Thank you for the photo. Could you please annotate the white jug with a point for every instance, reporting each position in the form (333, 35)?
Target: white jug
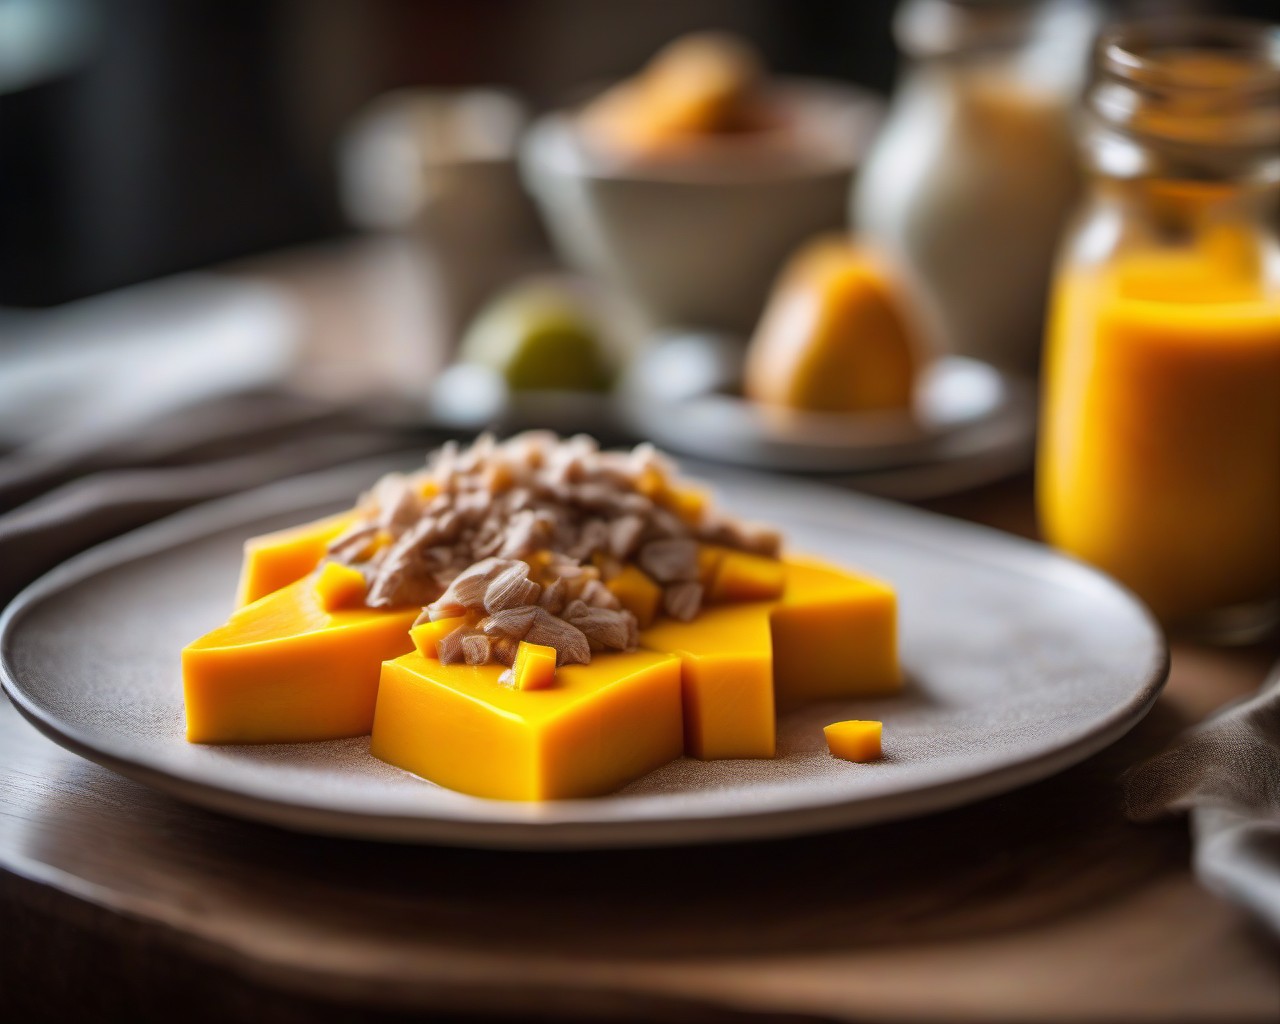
(975, 171)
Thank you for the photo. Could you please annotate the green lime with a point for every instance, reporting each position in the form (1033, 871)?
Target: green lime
(540, 335)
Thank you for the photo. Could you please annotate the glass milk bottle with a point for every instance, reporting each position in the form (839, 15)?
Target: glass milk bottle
(1160, 443)
(974, 174)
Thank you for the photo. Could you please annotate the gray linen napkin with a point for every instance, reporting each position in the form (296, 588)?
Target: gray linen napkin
(52, 508)
(1225, 775)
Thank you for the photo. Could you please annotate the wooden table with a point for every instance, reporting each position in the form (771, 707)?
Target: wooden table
(1041, 905)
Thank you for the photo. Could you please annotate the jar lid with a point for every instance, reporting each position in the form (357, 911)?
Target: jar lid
(1193, 81)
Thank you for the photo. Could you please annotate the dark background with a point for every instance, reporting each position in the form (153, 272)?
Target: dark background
(144, 137)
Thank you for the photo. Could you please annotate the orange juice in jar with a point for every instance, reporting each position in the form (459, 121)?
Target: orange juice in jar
(1159, 455)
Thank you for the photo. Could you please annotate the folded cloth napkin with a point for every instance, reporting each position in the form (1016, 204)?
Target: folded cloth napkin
(51, 508)
(1225, 775)
(220, 427)
(122, 408)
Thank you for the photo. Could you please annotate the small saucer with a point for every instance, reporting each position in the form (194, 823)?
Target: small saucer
(678, 394)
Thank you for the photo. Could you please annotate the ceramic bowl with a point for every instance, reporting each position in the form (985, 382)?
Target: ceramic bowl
(697, 240)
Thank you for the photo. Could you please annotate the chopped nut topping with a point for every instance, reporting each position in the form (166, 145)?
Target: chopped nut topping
(670, 561)
(624, 536)
(519, 538)
(353, 542)
(503, 651)
(682, 600)
(510, 623)
(572, 647)
(475, 648)
(606, 629)
(511, 588)
(450, 649)
(554, 595)
(597, 595)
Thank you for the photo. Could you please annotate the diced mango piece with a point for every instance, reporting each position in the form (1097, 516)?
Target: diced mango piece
(339, 586)
(831, 635)
(535, 667)
(853, 740)
(709, 556)
(689, 503)
(741, 576)
(638, 594)
(601, 726)
(286, 670)
(834, 635)
(727, 675)
(836, 335)
(426, 636)
(651, 482)
(275, 560)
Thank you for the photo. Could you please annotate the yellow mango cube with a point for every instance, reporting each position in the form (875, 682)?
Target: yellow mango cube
(637, 593)
(601, 726)
(535, 667)
(835, 635)
(275, 560)
(741, 576)
(854, 740)
(727, 675)
(832, 634)
(339, 586)
(689, 503)
(286, 670)
(426, 636)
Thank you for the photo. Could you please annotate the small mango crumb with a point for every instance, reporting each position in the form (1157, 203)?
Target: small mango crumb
(339, 586)
(426, 636)
(534, 667)
(637, 594)
(689, 503)
(739, 576)
(854, 740)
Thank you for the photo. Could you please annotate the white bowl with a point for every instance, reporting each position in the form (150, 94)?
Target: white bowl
(697, 240)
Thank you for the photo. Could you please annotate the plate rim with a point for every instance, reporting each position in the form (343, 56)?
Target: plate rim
(315, 489)
(1009, 427)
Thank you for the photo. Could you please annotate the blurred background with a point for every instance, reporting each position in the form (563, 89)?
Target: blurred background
(222, 222)
(242, 240)
(142, 138)
(139, 138)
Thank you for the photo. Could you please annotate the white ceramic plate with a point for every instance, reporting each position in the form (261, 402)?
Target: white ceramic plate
(1021, 663)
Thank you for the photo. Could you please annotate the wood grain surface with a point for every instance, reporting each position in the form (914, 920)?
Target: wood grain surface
(1042, 905)
(117, 903)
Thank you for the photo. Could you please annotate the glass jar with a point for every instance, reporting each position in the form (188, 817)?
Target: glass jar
(1159, 455)
(974, 174)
